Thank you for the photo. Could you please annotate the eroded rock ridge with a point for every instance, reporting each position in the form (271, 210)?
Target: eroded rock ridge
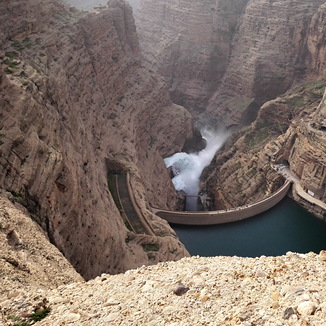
(77, 106)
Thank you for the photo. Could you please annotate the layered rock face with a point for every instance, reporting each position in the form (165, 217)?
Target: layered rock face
(27, 258)
(76, 104)
(304, 148)
(271, 45)
(189, 43)
(243, 53)
(242, 173)
(316, 44)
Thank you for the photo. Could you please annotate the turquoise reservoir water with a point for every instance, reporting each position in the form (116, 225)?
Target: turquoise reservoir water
(285, 227)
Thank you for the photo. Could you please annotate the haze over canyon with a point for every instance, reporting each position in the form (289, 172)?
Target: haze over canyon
(92, 99)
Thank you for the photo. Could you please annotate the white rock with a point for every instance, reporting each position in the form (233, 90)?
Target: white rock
(111, 302)
(13, 294)
(306, 308)
(70, 317)
(111, 317)
(57, 300)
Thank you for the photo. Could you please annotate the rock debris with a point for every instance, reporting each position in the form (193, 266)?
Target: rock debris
(285, 290)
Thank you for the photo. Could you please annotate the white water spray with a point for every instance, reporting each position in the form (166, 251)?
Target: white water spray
(187, 168)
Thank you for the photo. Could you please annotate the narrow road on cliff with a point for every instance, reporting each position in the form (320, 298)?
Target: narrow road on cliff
(287, 174)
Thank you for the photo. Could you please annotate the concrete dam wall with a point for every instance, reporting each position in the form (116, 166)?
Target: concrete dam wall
(224, 216)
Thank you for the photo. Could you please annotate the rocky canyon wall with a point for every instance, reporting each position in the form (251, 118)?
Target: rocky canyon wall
(230, 57)
(285, 131)
(228, 62)
(189, 43)
(76, 104)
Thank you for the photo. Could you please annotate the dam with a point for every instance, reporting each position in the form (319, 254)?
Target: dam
(224, 216)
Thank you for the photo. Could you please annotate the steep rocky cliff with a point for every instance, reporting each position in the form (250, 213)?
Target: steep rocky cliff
(271, 44)
(27, 259)
(229, 57)
(189, 43)
(304, 148)
(77, 105)
(316, 44)
(285, 131)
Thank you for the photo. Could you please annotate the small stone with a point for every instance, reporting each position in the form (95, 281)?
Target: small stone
(275, 296)
(147, 286)
(288, 312)
(26, 314)
(180, 290)
(71, 317)
(306, 308)
(13, 294)
(13, 238)
(322, 255)
(204, 298)
(260, 273)
(111, 302)
(111, 317)
(196, 294)
(57, 300)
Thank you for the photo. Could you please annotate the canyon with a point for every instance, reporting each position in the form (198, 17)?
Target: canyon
(89, 98)
(230, 63)
(76, 104)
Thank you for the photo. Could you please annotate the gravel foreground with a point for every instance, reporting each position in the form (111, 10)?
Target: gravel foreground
(285, 290)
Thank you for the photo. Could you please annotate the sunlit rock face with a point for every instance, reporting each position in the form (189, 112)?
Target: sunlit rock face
(285, 131)
(75, 103)
(229, 57)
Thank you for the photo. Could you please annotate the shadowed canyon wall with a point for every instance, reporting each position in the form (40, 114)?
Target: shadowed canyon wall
(228, 62)
(230, 57)
(76, 104)
(189, 43)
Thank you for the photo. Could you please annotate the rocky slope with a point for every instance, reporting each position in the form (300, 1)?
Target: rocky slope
(76, 104)
(304, 148)
(286, 290)
(232, 55)
(27, 259)
(242, 173)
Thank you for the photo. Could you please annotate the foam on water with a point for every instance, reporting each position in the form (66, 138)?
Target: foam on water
(187, 168)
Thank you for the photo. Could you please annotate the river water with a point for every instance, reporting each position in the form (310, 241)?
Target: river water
(285, 227)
